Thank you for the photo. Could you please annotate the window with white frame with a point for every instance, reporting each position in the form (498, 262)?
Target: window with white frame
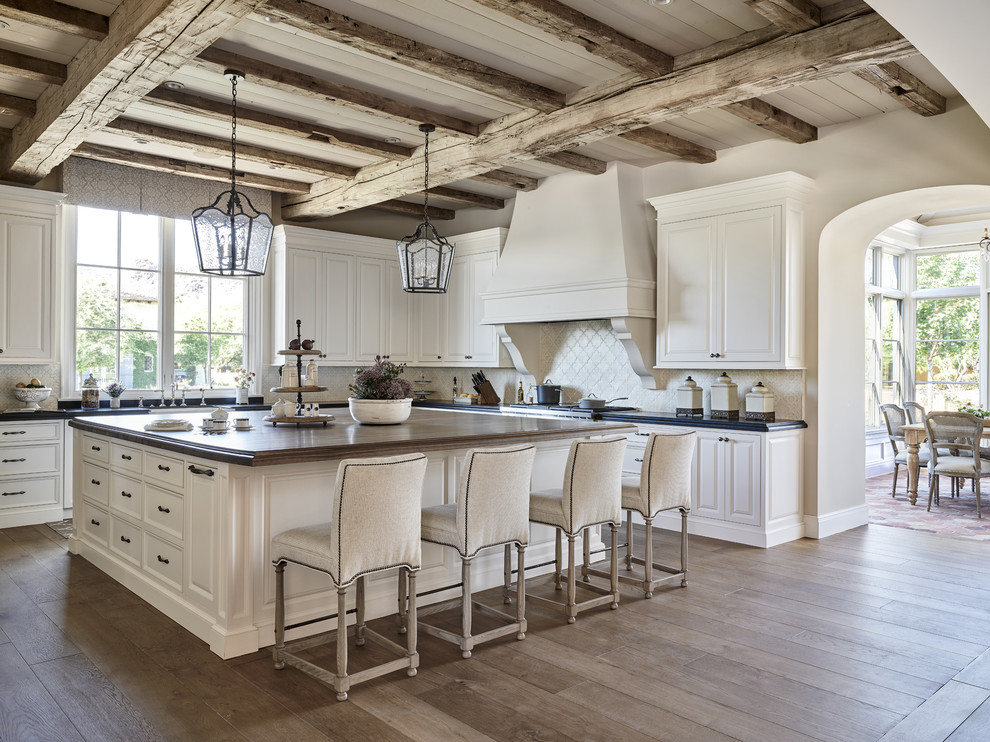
(885, 360)
(144, 314)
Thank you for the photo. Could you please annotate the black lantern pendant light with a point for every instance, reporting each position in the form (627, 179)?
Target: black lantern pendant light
(232, 240)
(425, 256)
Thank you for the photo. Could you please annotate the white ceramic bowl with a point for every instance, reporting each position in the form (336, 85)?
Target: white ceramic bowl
(380, 411)
(31, 396)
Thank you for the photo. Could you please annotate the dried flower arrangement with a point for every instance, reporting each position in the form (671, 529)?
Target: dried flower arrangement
(381, 381)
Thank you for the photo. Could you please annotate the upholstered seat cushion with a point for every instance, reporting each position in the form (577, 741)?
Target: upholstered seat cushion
(547, 506)
(439, 526)
(309, 545)
(955, 466)
(924, 456)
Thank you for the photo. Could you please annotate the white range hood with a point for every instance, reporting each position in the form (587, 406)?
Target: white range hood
(579, 247)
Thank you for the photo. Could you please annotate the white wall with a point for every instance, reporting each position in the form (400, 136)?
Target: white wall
(851, 164)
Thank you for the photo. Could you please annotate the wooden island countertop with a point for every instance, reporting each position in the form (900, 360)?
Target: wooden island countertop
(288, 443)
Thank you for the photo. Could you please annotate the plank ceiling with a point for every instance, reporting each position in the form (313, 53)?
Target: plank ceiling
(335, 90)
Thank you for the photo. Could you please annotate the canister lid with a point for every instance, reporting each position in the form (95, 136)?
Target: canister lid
(760, 389)
(724, 380)
(688, 384)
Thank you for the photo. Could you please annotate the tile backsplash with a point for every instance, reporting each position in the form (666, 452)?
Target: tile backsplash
(12, 373)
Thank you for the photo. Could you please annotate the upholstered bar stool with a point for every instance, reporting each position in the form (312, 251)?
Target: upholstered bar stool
(492, 509)
(591, 495)
(663, 484)
(375, 527)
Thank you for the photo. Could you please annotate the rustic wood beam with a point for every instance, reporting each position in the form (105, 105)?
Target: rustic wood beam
(269, 76)
(347, 31)
(11, 104)
(793, 16)
(148, 41)
(410, 209)
(664, 142)
(467, 198)
(219, 146)
(31, 68)
(574, 161)
(263, 121)
(190, 169)
(594, 36)
(56, 16)
(776, 65)
(507, 179)
(773, 119)
(904, 87)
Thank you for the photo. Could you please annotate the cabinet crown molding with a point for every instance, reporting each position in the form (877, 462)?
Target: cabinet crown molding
(735, 196)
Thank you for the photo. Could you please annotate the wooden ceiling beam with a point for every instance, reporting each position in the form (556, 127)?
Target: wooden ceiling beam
(148, 41)
(268, 122)
(349, 32)
(315, 88)
(507, 179)
(773, 119)
(218, 146)
(793, 16)
(597, 38)
(467, 198)
(777, 65)
(12, 104)
(56, 16)
(191, 169)
(31, 68)
(664, 142)
(408, 208)
(574, 161)
(904, 87)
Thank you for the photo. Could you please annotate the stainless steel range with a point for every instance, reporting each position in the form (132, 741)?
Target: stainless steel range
(562, 411)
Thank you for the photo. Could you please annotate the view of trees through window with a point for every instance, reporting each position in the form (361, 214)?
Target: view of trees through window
(122, 322)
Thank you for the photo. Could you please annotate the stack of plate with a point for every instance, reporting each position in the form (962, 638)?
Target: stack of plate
(168, 424)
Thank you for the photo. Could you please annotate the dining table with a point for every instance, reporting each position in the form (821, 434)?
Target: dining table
(914, 435)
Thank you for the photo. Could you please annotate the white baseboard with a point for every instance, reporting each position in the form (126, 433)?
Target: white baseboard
(821, 526)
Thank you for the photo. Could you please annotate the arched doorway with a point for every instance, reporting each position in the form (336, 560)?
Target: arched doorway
(842, 247)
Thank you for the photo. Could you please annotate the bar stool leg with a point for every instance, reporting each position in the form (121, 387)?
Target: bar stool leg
(614, 566)
(507, 574)
(465, 608)
(411, 638)
(648, 559)
(403, 578)
(520, 590)
(684, 548)
(279, 616)
(341, 684)
(586, 554)
(629, 541)
(556, 557)
(359, 624)
(571, 588)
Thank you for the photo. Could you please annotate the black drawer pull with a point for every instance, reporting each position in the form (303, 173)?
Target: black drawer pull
(125, 539)
(95, 481)
(14, 432)
(13, 461)
(639, 461)
(125, 494)
(96, 448)
(163, 468)
(19, 492)
(163, 510)
(162, 559)
(197, 470)
(125, 457)
(645, 435)
(94, 521)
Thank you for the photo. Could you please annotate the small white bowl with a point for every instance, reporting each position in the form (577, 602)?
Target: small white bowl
(30, 396)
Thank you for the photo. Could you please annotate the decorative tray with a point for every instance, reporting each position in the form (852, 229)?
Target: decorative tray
(301, 420)
(168, 425)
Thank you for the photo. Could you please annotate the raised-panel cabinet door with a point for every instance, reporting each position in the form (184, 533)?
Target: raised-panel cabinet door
(304, 300)
(26, 277)
(707, 497)
(399, 343)
(485, 343)
(460, 303)
(371, 309)
(201, 580)
(743, 498)
(687, 292)
(338, 320)
(751, 265)
(430, 309)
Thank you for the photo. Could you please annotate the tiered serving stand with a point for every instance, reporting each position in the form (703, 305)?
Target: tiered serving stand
(299, 390)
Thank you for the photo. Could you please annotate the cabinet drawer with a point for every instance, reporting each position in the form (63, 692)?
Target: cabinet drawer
(24, 432)
(19, 493)
(94, 524)
(126, 495)
(163, 510)
(125, 539)
(163, 468)
(125, 458)
(95, 482)
(96, 449)
(632, 461)
(164, 561)
(29, 459)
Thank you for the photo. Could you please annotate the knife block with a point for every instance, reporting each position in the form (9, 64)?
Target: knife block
(487, 394)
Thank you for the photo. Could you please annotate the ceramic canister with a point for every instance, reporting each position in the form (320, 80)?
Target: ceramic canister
(725, 398)
(689, 399)
(759, 404)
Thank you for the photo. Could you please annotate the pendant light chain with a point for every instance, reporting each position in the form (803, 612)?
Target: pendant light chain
(426, 175)
(233, 132)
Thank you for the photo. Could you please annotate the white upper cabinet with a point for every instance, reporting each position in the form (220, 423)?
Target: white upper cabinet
(730, 269)
(28, 230)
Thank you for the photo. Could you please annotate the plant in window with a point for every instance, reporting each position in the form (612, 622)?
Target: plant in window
(115, 389)
(381, 381)
(978, 411)
(243, 378)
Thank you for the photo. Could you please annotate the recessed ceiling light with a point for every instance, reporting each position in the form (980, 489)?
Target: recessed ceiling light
(659, 2)
(273, 167)
(268, 19)
(141, 141)
(4, 25)
(173, 85)
(391, 140)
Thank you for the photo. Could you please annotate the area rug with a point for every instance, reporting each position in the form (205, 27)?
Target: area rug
(955, 516)
(62, 527)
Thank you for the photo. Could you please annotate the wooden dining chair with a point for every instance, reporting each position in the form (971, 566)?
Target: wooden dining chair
(894, 417)
(954, 440)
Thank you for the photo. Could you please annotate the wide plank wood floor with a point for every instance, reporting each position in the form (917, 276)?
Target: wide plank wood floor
(874, 634)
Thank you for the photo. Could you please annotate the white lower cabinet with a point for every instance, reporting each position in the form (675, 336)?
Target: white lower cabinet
(30, 472)
(746, 486)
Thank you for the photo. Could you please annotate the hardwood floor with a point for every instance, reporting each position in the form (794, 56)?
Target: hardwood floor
(877, 633)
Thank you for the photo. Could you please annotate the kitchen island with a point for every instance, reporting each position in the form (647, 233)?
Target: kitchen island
(184, 519)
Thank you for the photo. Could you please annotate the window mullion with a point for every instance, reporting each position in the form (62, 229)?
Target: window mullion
(166, 318)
